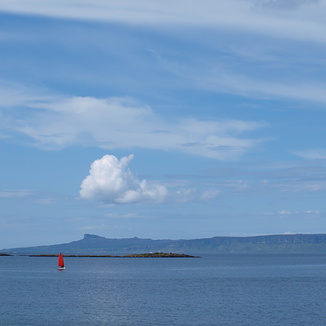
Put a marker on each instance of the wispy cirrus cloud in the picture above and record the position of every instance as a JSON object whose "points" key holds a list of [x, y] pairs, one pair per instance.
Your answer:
{"points": [[245, 85], [123, 216], [282, 4], [250, 15], [17, 193], [290, 213], [299, 179], [28, 195], [312, 154], [290, 186], [57, 122], [258, 71]]}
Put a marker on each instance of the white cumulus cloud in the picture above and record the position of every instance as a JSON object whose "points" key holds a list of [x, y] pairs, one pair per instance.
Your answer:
{"points": [[111, 181]]}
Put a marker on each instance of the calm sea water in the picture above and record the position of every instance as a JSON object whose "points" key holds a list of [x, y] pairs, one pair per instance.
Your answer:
{"points": [[211, 290]]}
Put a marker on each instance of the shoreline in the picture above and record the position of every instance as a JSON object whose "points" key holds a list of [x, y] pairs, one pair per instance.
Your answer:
{"points": [[145, 255]]}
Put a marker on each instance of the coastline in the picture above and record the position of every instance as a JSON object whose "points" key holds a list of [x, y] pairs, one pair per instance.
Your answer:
{"points": [[144, 255]]}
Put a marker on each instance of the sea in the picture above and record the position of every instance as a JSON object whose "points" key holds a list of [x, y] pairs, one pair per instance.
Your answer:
{"points": [[230, 289]]}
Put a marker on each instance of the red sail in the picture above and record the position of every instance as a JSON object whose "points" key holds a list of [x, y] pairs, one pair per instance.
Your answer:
{"points": [[60, 260]]}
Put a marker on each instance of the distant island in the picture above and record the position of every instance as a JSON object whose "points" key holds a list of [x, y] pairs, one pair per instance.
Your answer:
{"points": [[159, 255], [94, 245], [145, 255]]}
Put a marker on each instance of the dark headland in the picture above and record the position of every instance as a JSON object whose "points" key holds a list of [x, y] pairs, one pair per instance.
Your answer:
{"points": [[94, 245]]}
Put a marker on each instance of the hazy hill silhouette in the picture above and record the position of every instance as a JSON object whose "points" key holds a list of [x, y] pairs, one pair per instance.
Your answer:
{"points": [[96, 245]]}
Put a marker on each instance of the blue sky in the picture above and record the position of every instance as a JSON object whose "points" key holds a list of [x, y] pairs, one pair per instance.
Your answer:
{"points": [[166, 119]]}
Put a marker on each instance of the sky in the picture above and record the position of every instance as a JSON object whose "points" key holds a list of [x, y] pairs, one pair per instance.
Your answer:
{"points": [[161, 119]]}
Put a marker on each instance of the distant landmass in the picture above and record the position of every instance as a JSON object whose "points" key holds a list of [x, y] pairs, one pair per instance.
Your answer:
{"points": [[96, 245]]}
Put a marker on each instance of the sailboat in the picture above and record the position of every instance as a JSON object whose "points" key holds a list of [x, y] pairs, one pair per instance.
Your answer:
{"points": [[61, 263]]}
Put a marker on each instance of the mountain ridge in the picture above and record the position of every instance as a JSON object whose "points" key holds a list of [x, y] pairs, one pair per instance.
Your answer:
{"points": [[94, 244]]}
